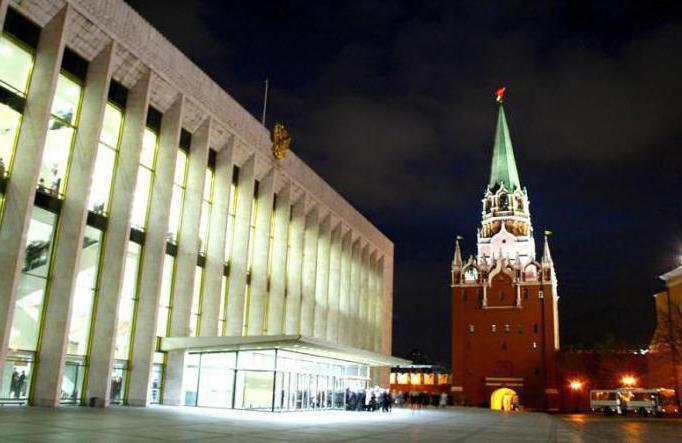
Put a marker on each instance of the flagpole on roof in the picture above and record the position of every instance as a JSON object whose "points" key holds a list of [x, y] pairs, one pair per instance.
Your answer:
{"points": [[265, 100]]}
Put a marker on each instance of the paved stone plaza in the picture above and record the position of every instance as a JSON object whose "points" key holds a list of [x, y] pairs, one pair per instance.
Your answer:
{"points": [[191, 424]]}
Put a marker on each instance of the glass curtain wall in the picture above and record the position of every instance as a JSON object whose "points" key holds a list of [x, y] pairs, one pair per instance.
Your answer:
{"points": [[271, 380], [106, 161], [62, 128], [249, 262], [195, 316], [124, 327], [145, 179], [206, 207], [15, 73], [84, 299], [229, 238], [271, 243], [28, 309], [178, 195]]}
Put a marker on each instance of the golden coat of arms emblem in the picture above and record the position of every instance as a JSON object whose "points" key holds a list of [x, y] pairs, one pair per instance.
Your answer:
{"points": [[281, 141]]}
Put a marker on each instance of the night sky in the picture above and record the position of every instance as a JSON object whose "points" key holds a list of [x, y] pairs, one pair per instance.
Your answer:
{"points": [[392, 103]]}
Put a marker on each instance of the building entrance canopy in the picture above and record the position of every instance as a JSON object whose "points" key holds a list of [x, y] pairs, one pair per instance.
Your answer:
{"points": [[293, 343]]}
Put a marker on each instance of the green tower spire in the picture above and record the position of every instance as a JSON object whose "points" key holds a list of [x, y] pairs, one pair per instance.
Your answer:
{"points": [[503, 168]]}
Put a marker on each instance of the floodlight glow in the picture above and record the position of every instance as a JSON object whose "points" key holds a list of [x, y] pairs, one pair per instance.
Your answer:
{"points": [[576, 385], [629, 380]]}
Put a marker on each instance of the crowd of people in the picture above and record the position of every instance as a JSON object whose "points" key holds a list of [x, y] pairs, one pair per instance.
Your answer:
{"points": [[17, 386], [379, 399], [371, 400], [417, 400]]}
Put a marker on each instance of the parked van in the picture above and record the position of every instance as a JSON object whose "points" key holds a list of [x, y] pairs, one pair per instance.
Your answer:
{"points": [[607, 401]]}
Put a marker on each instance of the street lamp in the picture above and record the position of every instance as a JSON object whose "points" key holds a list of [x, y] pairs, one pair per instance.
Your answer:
{"points": [[576, 385], [629, 381]]}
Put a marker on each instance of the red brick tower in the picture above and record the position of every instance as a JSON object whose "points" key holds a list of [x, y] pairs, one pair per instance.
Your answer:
{"points": [[505, 322]]}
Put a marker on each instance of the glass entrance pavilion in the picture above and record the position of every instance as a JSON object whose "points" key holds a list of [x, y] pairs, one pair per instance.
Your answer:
{"points": [[272, 373]]}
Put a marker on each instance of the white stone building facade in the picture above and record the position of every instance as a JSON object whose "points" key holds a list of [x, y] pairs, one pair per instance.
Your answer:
{"points": [[143, 218]]}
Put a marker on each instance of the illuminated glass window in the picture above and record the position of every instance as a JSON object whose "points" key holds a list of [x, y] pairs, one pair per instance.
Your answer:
{"points": [[392, 378], [127, 302], [429, 379], [16, 66], [15, 72], [31, 291], [493, 328], [105, 163], [165, 297], [60, 135], [249, 266], [145, 176], [206, 207], [507, 328], [472, 329], [231, 214], [535, 345], [178, 195], [222, 318], [195, 317], [84, 294]]}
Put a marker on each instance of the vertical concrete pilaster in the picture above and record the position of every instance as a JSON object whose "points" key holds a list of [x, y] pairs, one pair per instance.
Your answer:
{"points": [[278, 272], [387, 304], [240, 249], [69, 233], [310, 238], [151, 270], [21, 187], [322, 280], [292, 310], [259, 269], [3, 12], [112, 266], [345, 288], [371, 302], [332, 333], [355, 291], [215, 254], [364, 298], [186, 261]]}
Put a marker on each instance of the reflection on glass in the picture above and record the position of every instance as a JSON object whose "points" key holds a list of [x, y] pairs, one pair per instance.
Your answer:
{"points": [[16, 65], [195, 318], [16, 379], [141, 198], [145, 174], [231, 211], [55, 157], [105, 163], [118, 381], [165, 298], [72, 382], [66, 100], [204, 225], [221, 311], [10, 121], [31, 290], [254, 390], [84, 294], [126, 307], [178, 196]]}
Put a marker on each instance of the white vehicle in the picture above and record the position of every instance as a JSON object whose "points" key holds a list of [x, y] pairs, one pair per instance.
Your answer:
{"points": [[640, 401], [606, 400], [648, 401]]}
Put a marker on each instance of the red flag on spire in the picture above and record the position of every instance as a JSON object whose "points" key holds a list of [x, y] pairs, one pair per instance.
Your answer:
{"points": [[500, 94]]}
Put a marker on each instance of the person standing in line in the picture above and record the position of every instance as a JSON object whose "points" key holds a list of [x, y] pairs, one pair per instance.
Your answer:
{"points": [[22, 385], [443, 400], [14, 385]]}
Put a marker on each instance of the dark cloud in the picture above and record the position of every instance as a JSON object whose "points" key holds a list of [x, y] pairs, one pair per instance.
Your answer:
{"points": [[391, 103]]}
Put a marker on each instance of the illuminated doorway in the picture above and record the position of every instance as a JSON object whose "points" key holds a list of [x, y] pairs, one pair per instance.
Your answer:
{"points": [[504, 399]]}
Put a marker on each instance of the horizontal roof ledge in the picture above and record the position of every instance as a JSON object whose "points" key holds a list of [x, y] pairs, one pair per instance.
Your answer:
{"points": [[293, 343]]}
